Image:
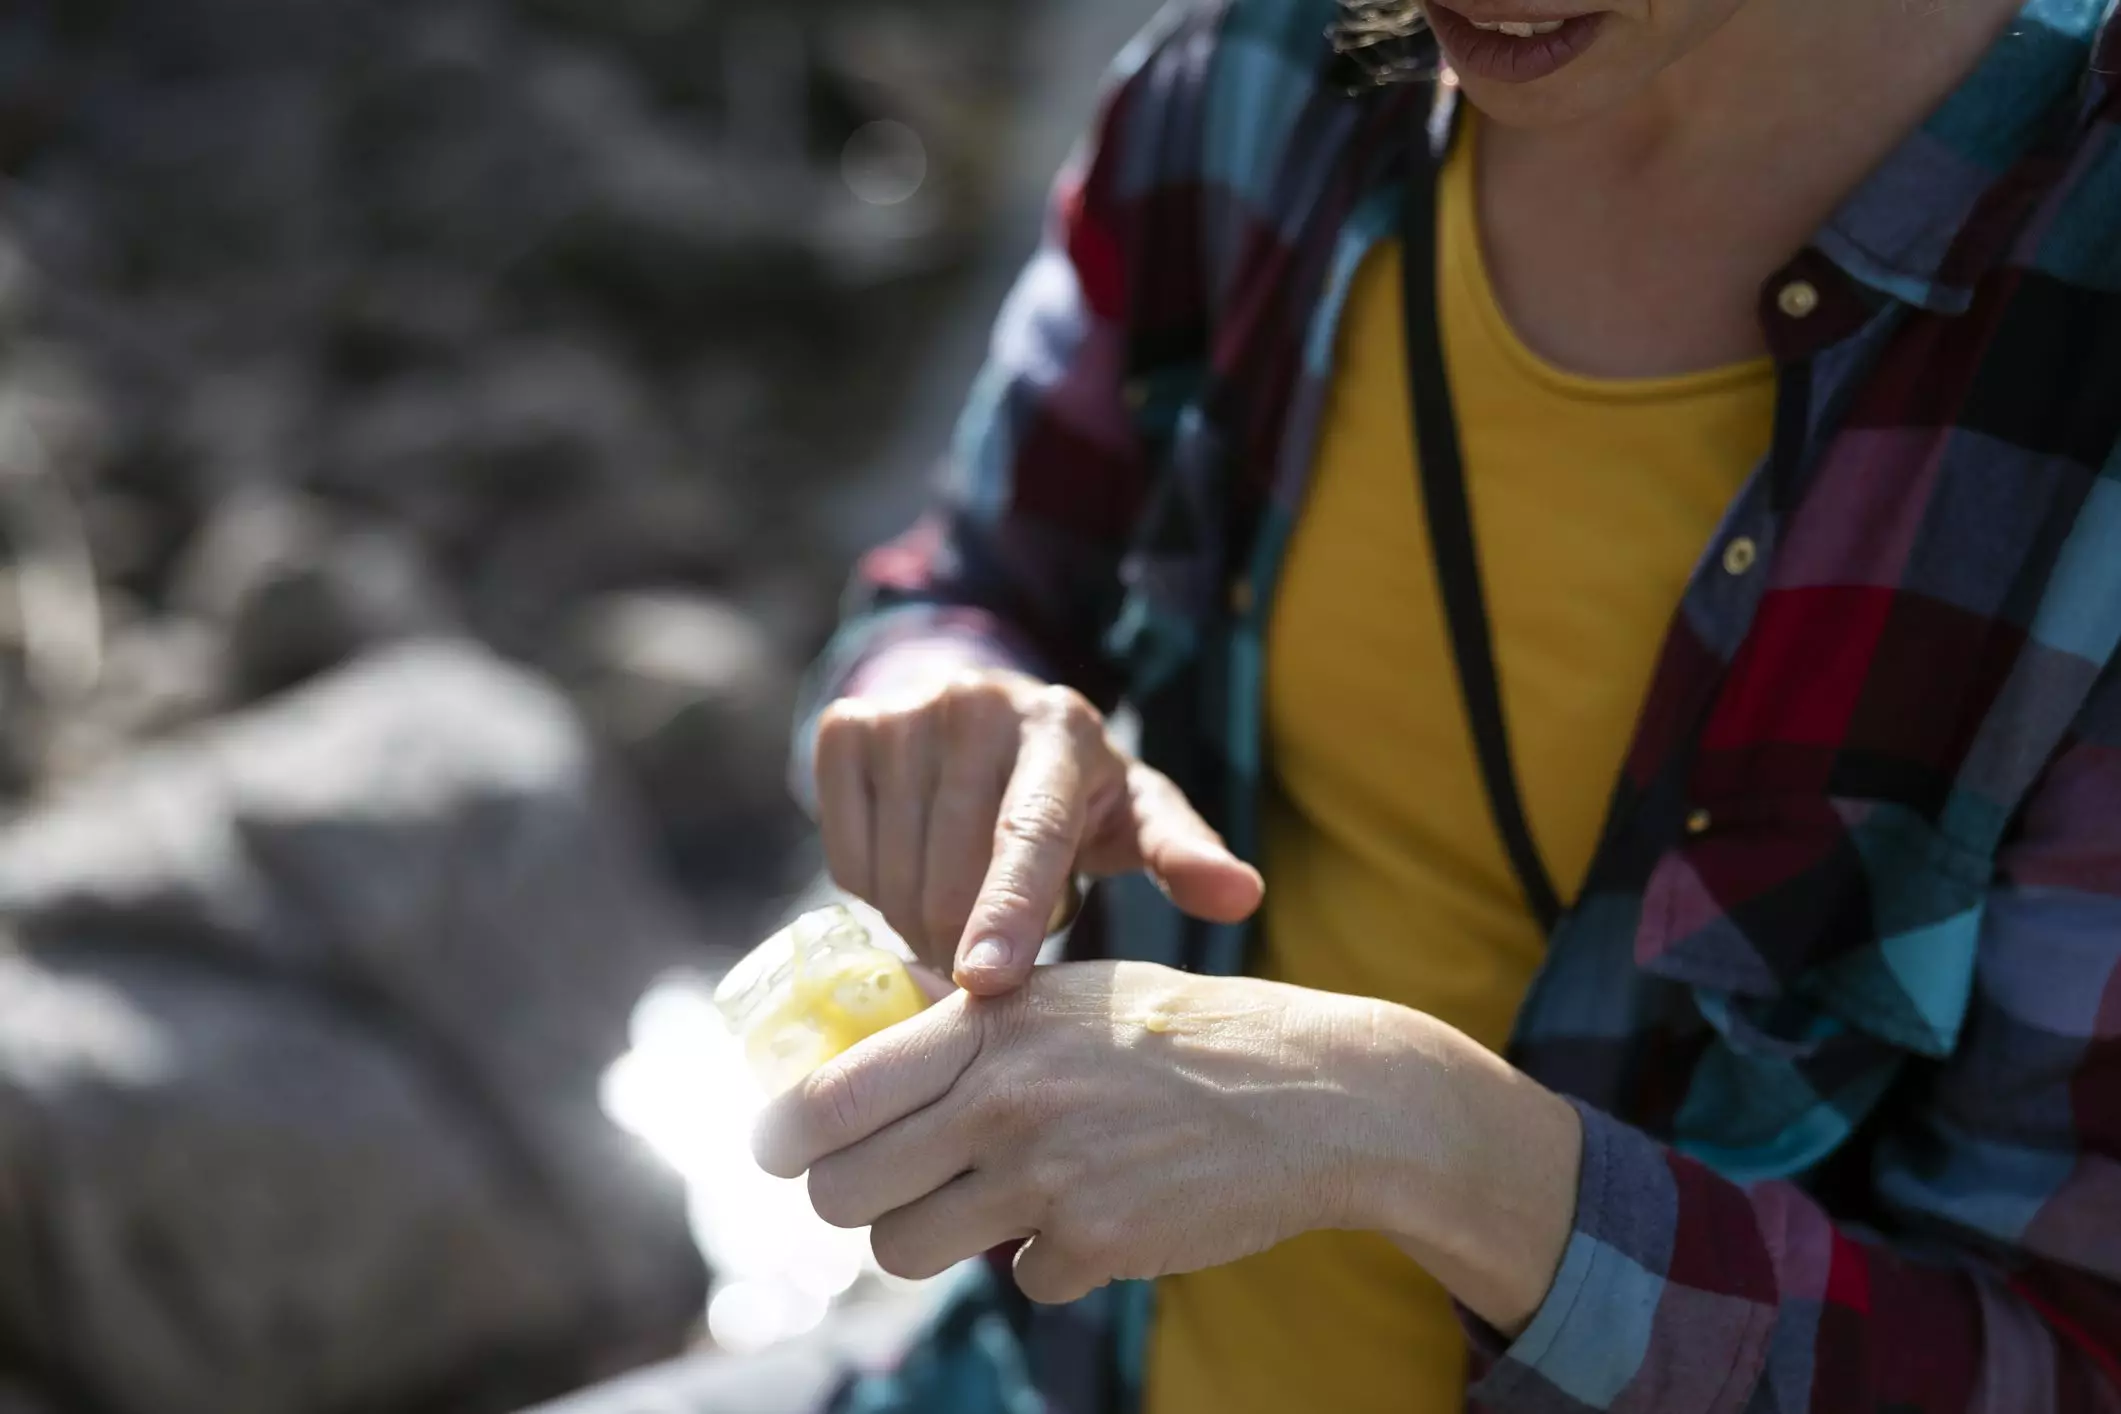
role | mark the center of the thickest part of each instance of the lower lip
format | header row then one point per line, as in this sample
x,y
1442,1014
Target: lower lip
x,y
1486,54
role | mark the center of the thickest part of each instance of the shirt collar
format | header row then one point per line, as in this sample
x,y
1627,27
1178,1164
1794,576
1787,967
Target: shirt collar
x,y
1923,227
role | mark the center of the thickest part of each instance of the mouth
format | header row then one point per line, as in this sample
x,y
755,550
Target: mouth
x,y
1512,48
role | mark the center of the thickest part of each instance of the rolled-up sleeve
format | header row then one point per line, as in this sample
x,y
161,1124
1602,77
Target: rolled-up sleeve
x,y
1998,1290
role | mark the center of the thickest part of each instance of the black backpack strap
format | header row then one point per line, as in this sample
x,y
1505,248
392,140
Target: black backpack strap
x,y
1443,486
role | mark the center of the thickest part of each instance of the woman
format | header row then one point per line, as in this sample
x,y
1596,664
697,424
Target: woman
x,y
1616,513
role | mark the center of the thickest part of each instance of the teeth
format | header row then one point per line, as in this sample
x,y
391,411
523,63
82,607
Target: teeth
x,y
1520,29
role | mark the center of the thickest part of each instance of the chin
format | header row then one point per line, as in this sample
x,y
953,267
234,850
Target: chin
x,y
1584,91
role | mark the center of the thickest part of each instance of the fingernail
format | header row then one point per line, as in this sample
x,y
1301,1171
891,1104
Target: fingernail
x,y
986,955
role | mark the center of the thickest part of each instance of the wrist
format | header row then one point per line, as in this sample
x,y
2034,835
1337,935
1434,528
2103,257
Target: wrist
x,y
1401,1144
1470,1167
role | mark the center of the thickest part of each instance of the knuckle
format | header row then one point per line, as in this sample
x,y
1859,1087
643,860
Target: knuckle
x,y
1050,703
1005,895
1064,707
1051,1179
1095,1236
851,716
841,729
977,704
1039,816
838,1095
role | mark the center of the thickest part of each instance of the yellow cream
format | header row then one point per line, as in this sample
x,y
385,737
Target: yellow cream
x,y
813,992
828,1011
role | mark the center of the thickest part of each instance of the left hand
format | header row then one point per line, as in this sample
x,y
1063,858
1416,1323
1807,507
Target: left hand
x,y
1130,1121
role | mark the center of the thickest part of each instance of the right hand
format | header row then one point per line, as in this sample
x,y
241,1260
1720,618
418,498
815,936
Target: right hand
x,y
963,814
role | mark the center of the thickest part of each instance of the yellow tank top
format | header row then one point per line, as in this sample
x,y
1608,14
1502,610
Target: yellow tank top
x,y
1592,500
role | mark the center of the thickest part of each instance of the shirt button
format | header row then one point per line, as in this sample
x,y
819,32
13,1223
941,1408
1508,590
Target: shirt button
x,y
1700,823
1242,598
1740,556
1799,299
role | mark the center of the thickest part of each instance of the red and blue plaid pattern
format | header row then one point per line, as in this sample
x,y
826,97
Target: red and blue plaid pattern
x,y
1841,1000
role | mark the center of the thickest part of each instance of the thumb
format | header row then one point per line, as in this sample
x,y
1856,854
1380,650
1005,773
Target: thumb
x,y
1188,860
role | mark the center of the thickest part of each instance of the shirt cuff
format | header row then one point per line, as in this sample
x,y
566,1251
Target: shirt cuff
x,y
1617,1328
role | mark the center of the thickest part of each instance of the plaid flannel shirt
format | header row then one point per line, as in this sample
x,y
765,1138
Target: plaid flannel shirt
x,y
1841,1000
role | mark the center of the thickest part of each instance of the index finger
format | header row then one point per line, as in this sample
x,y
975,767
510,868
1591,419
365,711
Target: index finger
x,y
872,1087
1036,840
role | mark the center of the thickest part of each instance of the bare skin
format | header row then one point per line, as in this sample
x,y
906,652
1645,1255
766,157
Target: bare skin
x,y
962,808
1135,1122
1631,240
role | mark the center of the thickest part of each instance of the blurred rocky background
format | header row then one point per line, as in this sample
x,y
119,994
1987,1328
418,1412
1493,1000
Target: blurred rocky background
x,y
553,322
432,436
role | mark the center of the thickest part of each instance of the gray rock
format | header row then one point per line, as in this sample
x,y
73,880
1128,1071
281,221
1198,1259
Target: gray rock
x,y
405,315
402,446
298,589
561,419
523,431
567,297
158,675
368,587
251,535
537,572
242,426
301,1028
694,699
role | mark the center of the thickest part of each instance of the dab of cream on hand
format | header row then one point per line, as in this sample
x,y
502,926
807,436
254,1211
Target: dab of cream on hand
x,y
1188,1017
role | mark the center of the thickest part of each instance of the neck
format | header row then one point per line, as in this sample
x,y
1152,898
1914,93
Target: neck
x,y
1825,87
1636,242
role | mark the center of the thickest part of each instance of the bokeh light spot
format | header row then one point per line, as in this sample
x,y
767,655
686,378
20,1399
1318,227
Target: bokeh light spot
x,y
885,163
